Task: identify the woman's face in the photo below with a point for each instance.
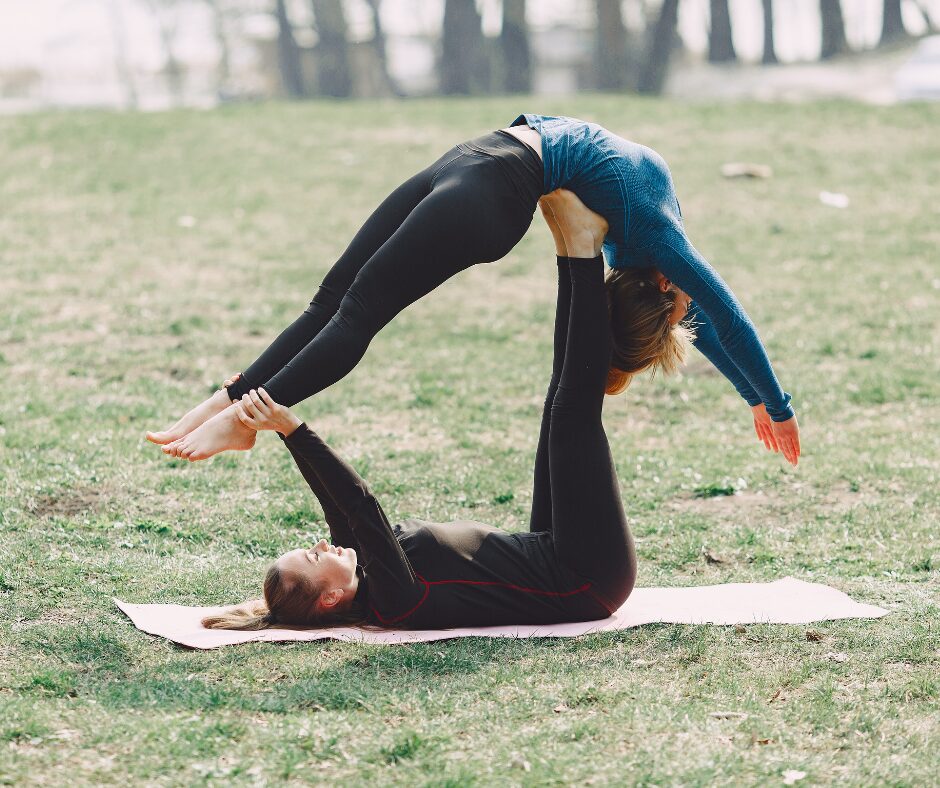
(325, 565)
(682, 298)
(682, 305)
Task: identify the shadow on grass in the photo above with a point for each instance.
(369, 678)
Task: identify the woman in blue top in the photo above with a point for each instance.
(473, 205)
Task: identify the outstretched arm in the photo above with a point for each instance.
(706, 342)
(678, 260)
(394, 587)
(286, 423)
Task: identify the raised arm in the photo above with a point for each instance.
(393, 586)
(340, 532)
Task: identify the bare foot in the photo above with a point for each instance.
(223, 432)
(198, 415)
(578, 231)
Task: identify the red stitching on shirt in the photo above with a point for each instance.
(523, 589)
(427, 590)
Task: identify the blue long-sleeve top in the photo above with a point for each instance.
(631, 187)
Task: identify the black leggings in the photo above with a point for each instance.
(472, 205)
(576, 494)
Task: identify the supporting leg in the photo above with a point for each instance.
(589, 525)
(540, 519)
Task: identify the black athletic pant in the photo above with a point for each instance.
(472, 205)
(576, 495)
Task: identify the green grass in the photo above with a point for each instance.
(117, 317)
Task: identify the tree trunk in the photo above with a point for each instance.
(720, 43)
(927, 13)
(833, 29)
(378, 43)
(770, 54)
(334, 76)
(224, 70)
(166, 31)
(610, 46)
(288, 54)
(463, 67)
(892, 25)
(124, 71)
(514, 45)
(659, 48)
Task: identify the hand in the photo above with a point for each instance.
(778, 436)
(787, 436)
(259, 412)
(763, 426)
(231, 380)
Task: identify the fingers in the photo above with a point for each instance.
(258, 404)
(248, 404)
(772, 438)
(788, 435)
(243, 416)
(266, 398)
(761, 435)
(793, 447)
(765, 434)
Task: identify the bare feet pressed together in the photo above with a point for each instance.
(223, 432)
(193, 419)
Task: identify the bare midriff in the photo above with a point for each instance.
(527, 135)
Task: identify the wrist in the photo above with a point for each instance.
(289, 425)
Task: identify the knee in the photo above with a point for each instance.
(325, 298)
(357, 315)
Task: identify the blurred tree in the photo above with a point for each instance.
(514, 45)
(124, 71)
(220, 29)
(464, 67)
(165, 13)
(288, 54)
(660, 38)
(770, 54)
(378, 43)
(720, 42)
(334, 76)
(892, 25)
(833, 29)
(927, 11)
(611, 68)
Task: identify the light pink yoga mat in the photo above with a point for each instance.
(786, 601)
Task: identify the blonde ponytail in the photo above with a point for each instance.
(250, 615)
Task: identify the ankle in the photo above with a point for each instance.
(586, 244)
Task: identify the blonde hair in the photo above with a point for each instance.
(288, 601)
(643, 337)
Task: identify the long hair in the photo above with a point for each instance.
(643, 337)
(288, 601)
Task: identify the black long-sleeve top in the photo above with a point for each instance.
(422, 575)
